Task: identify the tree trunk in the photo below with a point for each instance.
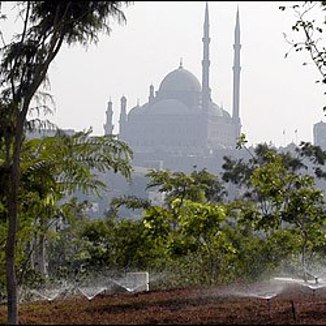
(11, 245)
(14, 180)
(305, 239)
(12, 202)
(212, 263)
(31, 246)
(11, 272)
(40, 259)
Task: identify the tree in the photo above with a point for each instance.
(24, 66)
(51, 168)
(192, 217)
(199, 186)
(62, 164)
(189, 221)
(279, 193)
(310, 26)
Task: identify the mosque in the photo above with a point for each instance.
(180, 120)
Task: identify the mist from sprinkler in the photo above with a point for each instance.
(264, 292)
(48, 294)
(89, 291)
(314, 283)
(314, 275)
(120, 284)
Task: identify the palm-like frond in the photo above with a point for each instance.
(72, 161)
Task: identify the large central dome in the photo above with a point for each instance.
(180, 80)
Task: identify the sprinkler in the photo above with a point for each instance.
(267, 296)
(90, 293)
(315, 286)
(49, 295)
(293, 311)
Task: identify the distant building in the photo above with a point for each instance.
(319, 131)
(180, 126)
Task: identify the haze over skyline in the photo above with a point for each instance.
(277, 95)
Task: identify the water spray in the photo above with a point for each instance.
(132, 282)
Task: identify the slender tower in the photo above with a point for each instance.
(236, 77)
(123, 117)
(206, 91)
(151, 93)
(108, 126)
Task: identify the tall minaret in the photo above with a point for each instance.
(108, 126)
(206, 91)
(236, 77)
(123, 116)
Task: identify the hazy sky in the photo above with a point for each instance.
(276, 94)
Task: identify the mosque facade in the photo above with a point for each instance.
(180, 119)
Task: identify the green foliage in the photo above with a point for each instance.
(105, 246)
(279, 195)
(241, 141)
(81, 21)
(131, 202)
(191, 219)
(158, 221)
(248, 238)
(71, 160)
(51, 168)
(308, 31)
(199, 186)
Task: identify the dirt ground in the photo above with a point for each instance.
(296, 304)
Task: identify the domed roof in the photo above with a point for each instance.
(180, 80)
(139, 109)
(168, 106)
(214, 109)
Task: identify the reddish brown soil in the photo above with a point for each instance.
(295, 305)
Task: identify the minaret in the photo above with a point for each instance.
(206, 91)
(151, 93)
(108, 126)
(123, 116)
(236, 77)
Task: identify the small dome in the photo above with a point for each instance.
(214, 109)
(138, 109)
(180, 80)
(169, 106)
